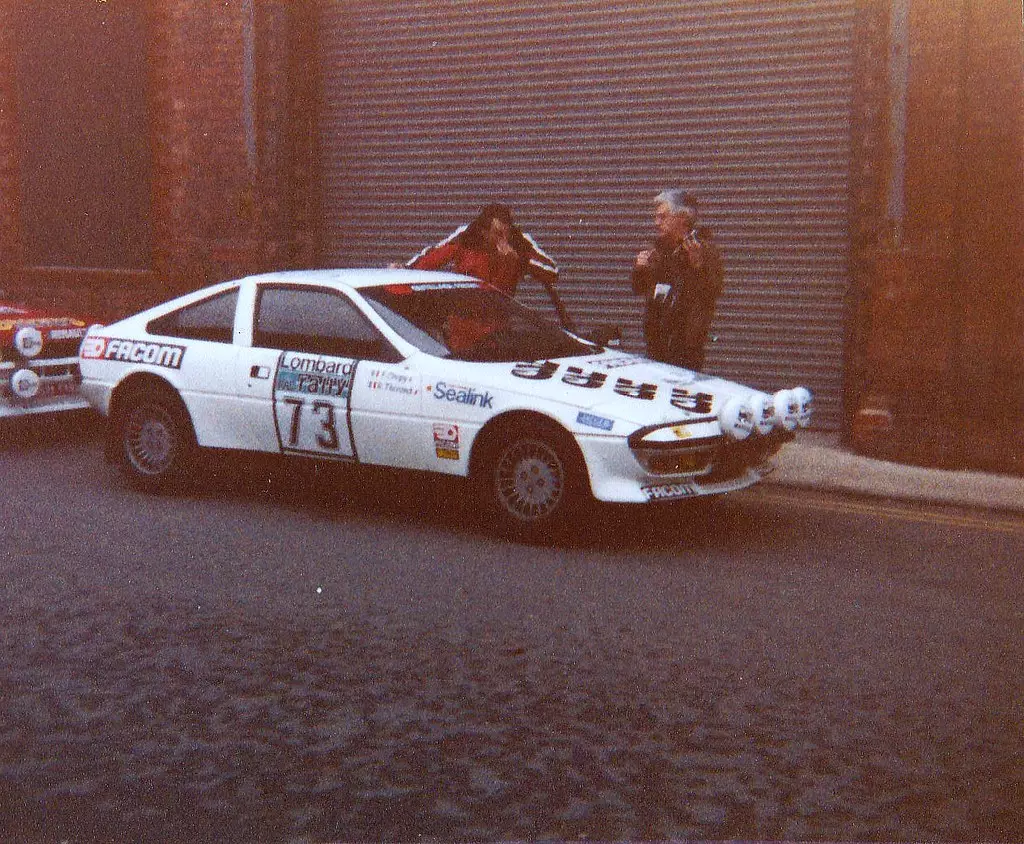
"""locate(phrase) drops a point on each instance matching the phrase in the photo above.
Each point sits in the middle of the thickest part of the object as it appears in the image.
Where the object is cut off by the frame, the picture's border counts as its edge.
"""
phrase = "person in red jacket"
(492, 248)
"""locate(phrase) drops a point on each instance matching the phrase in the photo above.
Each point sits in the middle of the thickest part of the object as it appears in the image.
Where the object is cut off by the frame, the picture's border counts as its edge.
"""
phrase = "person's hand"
(695, 252)
(504, 249)
(643, 259)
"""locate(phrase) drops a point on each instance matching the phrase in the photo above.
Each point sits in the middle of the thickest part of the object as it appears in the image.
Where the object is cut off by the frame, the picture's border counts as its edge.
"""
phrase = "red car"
(38, 361)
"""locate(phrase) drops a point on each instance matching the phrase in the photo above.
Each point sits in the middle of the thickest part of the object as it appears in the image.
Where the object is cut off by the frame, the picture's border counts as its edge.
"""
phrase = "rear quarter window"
(211, 319)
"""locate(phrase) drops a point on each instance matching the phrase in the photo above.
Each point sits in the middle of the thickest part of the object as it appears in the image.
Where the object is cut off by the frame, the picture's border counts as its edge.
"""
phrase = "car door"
(307, 345)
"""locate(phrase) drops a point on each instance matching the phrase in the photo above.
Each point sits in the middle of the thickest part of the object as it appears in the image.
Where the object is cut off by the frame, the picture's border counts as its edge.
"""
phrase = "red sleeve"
(433, 257)
(436, 256)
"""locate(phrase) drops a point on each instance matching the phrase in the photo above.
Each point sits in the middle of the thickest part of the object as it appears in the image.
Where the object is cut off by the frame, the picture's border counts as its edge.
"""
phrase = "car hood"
(13, 317)
(622, 386)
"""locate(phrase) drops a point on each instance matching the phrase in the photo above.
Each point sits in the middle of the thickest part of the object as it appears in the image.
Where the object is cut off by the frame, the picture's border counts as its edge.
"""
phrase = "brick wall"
(232, 111)
(9, 177)
(944, 339)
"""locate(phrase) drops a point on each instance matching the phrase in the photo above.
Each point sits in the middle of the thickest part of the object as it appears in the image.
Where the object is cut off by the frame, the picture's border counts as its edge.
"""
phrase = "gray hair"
(678, 201)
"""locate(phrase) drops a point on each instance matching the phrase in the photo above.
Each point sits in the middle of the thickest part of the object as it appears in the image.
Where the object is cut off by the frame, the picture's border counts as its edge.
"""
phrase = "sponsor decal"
(314, 375)
(446, 285)
(406, 289)
(133, 351)
(626, 387)
(392, 382)
(446, 441)
(668, 492)
(692, 402)
(67, 333)
(462, 395)
(535, 371)
(592, 421)
(39, 322)
(614, 363)
(576, 377)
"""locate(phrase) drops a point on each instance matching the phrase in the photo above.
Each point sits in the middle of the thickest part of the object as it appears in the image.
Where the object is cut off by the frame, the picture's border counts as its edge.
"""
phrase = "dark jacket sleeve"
(538, 263)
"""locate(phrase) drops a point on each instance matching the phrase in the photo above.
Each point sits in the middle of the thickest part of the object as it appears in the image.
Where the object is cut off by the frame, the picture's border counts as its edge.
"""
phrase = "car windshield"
(470, 321)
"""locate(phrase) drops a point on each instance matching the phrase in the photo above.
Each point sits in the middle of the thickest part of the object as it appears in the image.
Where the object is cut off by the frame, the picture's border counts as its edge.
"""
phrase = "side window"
(321, 322)
(211, 319)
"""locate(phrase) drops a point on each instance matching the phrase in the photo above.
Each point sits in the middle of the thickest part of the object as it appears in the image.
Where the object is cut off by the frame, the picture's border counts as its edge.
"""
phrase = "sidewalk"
(816, 460)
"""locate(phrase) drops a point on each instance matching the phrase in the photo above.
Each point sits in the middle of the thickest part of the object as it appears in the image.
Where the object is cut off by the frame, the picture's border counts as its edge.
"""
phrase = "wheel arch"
(139, 382)
(515, 421)
(142, 382)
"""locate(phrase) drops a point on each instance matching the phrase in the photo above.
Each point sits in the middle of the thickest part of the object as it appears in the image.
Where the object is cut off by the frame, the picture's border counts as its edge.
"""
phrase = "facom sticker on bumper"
(668, 492)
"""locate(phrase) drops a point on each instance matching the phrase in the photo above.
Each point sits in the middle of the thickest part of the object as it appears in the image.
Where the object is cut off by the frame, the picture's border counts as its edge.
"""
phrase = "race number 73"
(325, 431)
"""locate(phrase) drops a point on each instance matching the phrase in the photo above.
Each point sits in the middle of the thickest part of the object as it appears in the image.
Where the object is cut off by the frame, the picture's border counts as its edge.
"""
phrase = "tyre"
(534, 481)
(155, 443)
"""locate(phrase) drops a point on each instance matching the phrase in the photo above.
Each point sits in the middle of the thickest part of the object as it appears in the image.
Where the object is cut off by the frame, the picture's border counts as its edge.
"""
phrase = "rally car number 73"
(426, 371)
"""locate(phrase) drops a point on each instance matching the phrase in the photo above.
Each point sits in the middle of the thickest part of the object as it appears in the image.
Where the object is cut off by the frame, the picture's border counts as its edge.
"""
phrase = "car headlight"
(663, 450)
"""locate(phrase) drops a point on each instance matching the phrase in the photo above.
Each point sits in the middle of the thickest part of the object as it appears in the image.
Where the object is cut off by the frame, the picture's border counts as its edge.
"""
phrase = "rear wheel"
(155, 443)
(534, 479)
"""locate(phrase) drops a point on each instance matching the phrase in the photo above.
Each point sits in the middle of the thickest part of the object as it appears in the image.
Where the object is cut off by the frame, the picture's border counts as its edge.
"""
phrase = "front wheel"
(533, 482)
(155, 443)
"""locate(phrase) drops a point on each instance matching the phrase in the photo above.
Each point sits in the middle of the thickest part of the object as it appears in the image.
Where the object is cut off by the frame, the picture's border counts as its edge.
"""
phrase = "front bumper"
(58, 387)
(616, 475)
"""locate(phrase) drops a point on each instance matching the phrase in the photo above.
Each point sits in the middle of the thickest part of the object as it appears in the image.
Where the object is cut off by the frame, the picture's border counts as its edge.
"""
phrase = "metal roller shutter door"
(577, 114)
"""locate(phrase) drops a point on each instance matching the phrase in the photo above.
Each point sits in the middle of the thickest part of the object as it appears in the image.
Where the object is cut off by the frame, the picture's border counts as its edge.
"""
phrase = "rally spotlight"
(805, 402)
(787, 409)
(737, 418)
(764, 413)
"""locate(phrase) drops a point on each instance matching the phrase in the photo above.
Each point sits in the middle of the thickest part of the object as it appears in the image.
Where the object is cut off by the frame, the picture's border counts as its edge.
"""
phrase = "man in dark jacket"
(680, 279)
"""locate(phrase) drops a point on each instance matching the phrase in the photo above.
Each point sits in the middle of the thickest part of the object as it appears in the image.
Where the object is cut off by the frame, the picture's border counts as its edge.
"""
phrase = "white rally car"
(429, 371)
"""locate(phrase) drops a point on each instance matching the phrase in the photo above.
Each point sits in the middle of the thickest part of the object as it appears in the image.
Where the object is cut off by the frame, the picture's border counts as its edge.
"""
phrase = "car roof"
(356, 278)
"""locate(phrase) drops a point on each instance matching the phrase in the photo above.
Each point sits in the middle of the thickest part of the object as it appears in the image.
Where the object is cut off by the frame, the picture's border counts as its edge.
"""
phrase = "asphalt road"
(291, 654)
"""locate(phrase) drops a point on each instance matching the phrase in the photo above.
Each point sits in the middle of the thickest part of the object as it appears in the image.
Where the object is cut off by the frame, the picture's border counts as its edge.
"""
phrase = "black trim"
(635, 438)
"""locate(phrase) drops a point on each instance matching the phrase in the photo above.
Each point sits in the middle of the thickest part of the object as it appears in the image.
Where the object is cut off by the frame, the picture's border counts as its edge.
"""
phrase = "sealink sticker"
(592, 421)
(463, 395)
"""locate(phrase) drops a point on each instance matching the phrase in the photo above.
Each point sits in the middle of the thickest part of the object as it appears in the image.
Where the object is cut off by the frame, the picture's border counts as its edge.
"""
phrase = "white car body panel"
(422, 412)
